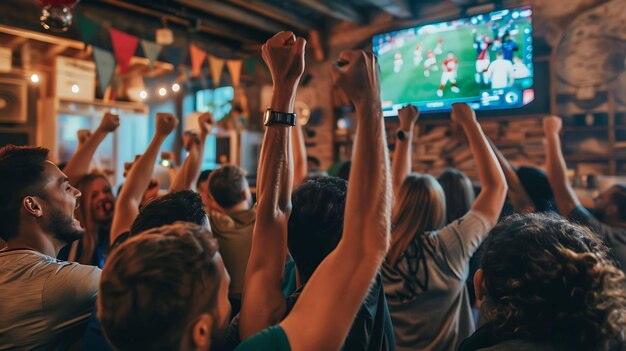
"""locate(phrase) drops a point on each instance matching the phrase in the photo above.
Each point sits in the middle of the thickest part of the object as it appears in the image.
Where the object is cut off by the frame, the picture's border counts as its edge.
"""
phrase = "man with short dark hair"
(178, 206)
(165, 289)
(315, 228)
(233, 228)
(44, 303)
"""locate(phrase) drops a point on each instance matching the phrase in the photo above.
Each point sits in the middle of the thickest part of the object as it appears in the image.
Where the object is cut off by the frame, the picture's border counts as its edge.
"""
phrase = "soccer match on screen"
(484, 60)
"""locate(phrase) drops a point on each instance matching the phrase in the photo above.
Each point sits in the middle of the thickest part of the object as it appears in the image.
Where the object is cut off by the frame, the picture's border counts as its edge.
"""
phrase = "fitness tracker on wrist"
(273, 117)
(402, 134)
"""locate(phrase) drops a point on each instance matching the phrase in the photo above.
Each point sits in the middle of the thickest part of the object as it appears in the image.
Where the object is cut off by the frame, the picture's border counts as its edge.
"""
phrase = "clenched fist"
(190, 139)
(109, 123)
(165, 123)
(205, 123)
(284, 55)
(83, 135)
(462, 114)
(356, 73)
(407, 116)
(552, 125)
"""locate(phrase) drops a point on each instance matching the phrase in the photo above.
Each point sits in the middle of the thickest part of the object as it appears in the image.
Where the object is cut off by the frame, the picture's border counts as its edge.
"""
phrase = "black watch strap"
(275, 117)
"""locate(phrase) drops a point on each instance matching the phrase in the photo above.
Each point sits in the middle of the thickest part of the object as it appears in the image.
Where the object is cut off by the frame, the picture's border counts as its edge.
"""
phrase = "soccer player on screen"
(430, 64)
(520, 70)
(482, 44)
(439, 46)
(500, 72)
(508, 46)
(450, 65)
(397, 62)
(417, 55)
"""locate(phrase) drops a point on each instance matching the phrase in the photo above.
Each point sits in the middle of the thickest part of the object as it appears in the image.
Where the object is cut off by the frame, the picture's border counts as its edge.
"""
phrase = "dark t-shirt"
(100, 251)
(371, 329)
(613, 237)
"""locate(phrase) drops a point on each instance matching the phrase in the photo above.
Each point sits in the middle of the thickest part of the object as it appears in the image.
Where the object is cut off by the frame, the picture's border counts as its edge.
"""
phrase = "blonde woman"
(428, 262)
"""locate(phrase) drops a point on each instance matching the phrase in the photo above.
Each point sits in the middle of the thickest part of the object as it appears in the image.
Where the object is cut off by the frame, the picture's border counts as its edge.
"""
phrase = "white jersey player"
(397, 62)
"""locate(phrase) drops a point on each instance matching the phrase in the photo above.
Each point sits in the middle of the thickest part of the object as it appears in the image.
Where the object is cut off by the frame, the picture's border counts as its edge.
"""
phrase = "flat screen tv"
(485, 61)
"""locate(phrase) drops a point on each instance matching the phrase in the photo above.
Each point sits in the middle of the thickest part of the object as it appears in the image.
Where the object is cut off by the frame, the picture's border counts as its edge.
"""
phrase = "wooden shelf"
(594, 158)
(582, 129)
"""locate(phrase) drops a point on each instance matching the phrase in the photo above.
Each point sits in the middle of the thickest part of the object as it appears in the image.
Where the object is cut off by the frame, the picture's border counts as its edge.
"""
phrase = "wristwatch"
(273, 117)
(402, 134)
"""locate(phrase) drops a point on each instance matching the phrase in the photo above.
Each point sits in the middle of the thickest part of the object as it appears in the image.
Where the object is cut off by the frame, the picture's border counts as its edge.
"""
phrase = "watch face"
(400, 135)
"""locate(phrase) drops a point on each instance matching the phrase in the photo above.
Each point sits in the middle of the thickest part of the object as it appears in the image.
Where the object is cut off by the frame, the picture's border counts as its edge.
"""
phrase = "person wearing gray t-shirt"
(44, 303)
(427, 265)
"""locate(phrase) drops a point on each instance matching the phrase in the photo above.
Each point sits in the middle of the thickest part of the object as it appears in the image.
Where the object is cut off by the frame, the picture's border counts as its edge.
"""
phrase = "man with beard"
(44, 303)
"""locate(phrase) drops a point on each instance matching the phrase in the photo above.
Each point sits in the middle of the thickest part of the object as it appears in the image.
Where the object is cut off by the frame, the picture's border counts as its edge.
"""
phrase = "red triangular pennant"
(124, 46)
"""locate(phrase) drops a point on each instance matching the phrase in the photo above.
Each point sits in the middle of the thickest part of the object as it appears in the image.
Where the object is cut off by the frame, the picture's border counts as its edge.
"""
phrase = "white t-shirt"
(426, 293)
(44, 303)
(500, 71)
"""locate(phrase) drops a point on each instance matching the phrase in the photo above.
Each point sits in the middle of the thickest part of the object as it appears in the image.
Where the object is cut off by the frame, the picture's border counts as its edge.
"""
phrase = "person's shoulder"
(78, 277)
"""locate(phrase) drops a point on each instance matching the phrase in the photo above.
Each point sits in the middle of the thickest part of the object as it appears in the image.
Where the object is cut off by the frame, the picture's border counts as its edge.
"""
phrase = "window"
(217, 101)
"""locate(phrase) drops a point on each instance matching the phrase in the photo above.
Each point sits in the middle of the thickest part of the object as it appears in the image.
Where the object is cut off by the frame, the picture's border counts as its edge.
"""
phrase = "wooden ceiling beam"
(334, 10)
(397, 8)
(234, 14)
(206, 26)
(277, 14)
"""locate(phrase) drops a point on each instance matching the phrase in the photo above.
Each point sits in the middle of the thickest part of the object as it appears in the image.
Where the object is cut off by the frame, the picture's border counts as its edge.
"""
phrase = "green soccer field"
(410, 84)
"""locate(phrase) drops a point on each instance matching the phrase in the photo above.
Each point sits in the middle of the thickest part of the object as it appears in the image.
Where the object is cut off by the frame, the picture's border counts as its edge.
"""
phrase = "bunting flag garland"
(151, 50)
(88, 29)
(174, 55)
(234, 68)
(105, 66)
(197, 59)
(124, 46)
(217, 66)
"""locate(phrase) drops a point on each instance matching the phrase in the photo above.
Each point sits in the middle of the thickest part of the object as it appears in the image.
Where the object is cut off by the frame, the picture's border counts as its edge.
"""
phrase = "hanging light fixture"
(56, 15)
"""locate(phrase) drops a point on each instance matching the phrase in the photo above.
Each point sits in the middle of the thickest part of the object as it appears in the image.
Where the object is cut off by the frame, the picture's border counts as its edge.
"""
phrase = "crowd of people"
(379, 259)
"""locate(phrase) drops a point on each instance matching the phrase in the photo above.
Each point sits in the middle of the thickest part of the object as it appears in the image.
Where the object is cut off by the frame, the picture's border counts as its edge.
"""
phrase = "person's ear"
(245, 196)
(479, 286)
(201, 332)
(32, 206)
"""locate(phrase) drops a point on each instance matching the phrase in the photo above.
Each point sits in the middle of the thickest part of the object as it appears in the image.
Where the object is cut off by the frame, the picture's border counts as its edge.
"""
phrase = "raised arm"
(138, 178)
(192, 166)
(518, 196)
(564, 195)
(491, 198)
(332, 296)
(299, 156)
(78, 165)
(263, 303)
(401, 164)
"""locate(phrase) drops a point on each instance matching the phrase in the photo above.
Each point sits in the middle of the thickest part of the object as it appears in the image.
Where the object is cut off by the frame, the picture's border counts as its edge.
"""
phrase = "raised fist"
(83, 135)
(206, 123)
(407, 116)
(190, 139)
(109, 122)
(284, 55)
(356, 73)
(165, 123)
(462, 114)
(552, 125)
